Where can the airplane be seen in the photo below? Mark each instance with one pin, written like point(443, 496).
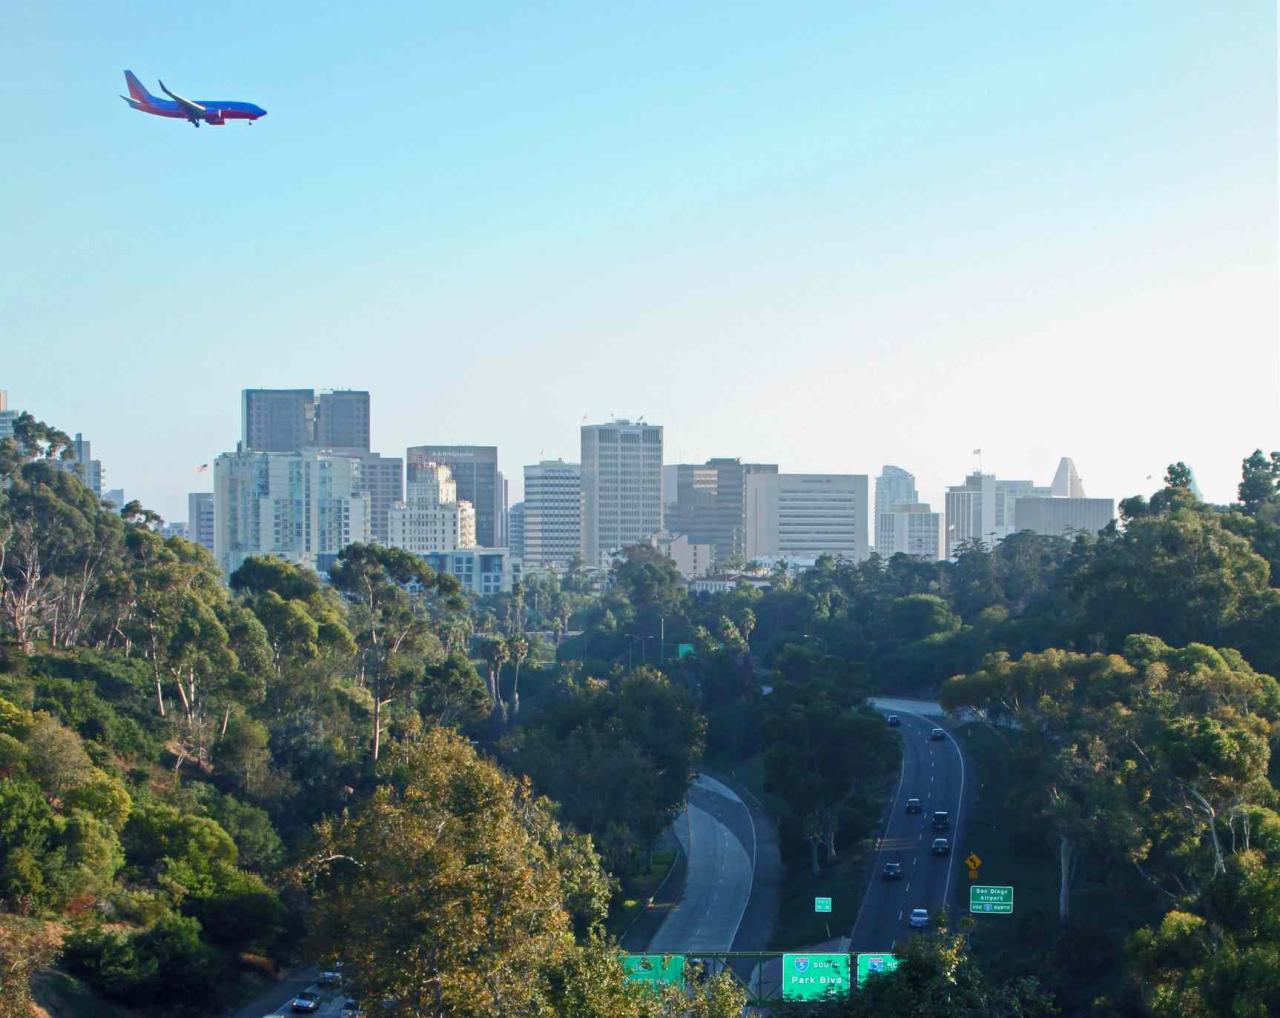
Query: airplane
point(210, 111)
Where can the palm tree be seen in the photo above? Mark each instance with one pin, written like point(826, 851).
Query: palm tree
point(746, 625)
point(496, 654)
point(519, 648)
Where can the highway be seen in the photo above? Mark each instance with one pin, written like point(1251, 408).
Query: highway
point(719, 875)
point(276, 1001)
point(934, 773)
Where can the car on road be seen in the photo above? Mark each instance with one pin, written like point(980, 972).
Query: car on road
point(306, 1002)
point(937, 735)
point(891, 871)
point(913, 806)
point(941, 820)
point(894, 721)
point(330, 978)
point(919, 918)
point(941, 846)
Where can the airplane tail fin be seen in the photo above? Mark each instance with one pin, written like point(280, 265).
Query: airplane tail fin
point(135, 88)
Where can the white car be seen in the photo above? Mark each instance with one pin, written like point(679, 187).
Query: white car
point(919, 918)
point(306, 1002)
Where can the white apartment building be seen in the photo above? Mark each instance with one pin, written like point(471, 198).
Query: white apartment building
point(431, 518)
point(803, 516)
point(621, 487)
point(200, 518)
point(301, 506)
point(911, 529)
point(552, 514)
point(690, 558)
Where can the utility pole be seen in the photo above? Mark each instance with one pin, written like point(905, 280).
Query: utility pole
point(662, 640)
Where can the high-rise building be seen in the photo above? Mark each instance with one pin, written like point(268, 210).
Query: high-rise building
point(475, 470)
point(894, 486)
point(432, 518)
point(621, 487)
point(277, 420)
point(83, 465)
point(911, 528)
point(382, 477)
point(515, 530)
point(7, 416)
point(552, 514)
point(301, 506)
point(799, 517)
point(1066, 482)
point(982, 509)
point(114, 497)
point(342, 420)
point(200, 518)
point(710, 504)
point(1063, 517)
point(482, 571)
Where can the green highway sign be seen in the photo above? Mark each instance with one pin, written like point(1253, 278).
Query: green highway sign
point(870, 964)
point(814, 976)
point(683, 650)
point(654, 969)
point(822, 904)
point(988, 900)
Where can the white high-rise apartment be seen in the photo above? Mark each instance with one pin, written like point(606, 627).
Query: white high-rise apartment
point(200, 518)
point(982, 509)
point(894, 486)
point(799, 517)
point(431, 518)
point(301, 506)
point(621, 487)
point(552, 514)
point(911, 529)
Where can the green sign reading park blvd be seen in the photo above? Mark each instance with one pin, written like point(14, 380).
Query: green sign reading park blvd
point(822, 904)
point(990, 900)
point(871, 964)
point(654, 969)
point(814, 976)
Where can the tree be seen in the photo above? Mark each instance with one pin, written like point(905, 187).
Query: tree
point(449, 891)
point(519, 648)
point(452, 692)
point(26, 947)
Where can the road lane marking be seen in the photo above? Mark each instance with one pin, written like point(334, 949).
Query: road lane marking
point(902, 773)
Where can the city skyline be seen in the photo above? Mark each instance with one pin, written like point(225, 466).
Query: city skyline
point(885, 235)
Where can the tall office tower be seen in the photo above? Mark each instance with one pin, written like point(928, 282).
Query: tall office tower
point(552, 514)
point(710, 504)
point(982, 509)
point(83, 465)
point(114, 497)
point(475, 469)
point(382, 477)
point(301, 506)
point(894, 486)
point(515, 530)
point(432, 518)
point(200, 525)
point(7, 416)
point(621, 487)
point(1066, 482)
point(799, 517)
point(911, 528)
point(277, 420)
point(342, 420)
point(4, 399)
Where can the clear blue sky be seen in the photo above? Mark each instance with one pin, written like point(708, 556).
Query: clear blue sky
point(831, 235)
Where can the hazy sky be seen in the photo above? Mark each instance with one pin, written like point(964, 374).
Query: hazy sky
point(830, 235)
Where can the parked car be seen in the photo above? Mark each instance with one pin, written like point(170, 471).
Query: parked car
point(891, 871)
point(919, 918)
point(894, 721)
point(941, 820)
point(330, 978)
point(937, 735)
point(941, 846)
point(913, 806)
point(306, 1002)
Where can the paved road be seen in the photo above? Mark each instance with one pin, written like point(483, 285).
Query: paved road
point(276, 1001)
point(932, 772)
point(719, 877)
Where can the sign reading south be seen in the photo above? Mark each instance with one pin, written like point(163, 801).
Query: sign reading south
point(814, 976)
point(988, 900)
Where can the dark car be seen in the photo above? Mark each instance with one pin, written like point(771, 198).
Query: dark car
point(894, 721)
point(937, 735)
point(891, 871)
point(941, 820)
point(306, 1002)
point(941, 846)
point(913, 806)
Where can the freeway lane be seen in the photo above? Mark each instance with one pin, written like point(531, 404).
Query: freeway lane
point(719, 876)
point(932, 772)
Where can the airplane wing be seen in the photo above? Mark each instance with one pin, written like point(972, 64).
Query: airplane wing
point(186, 104)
